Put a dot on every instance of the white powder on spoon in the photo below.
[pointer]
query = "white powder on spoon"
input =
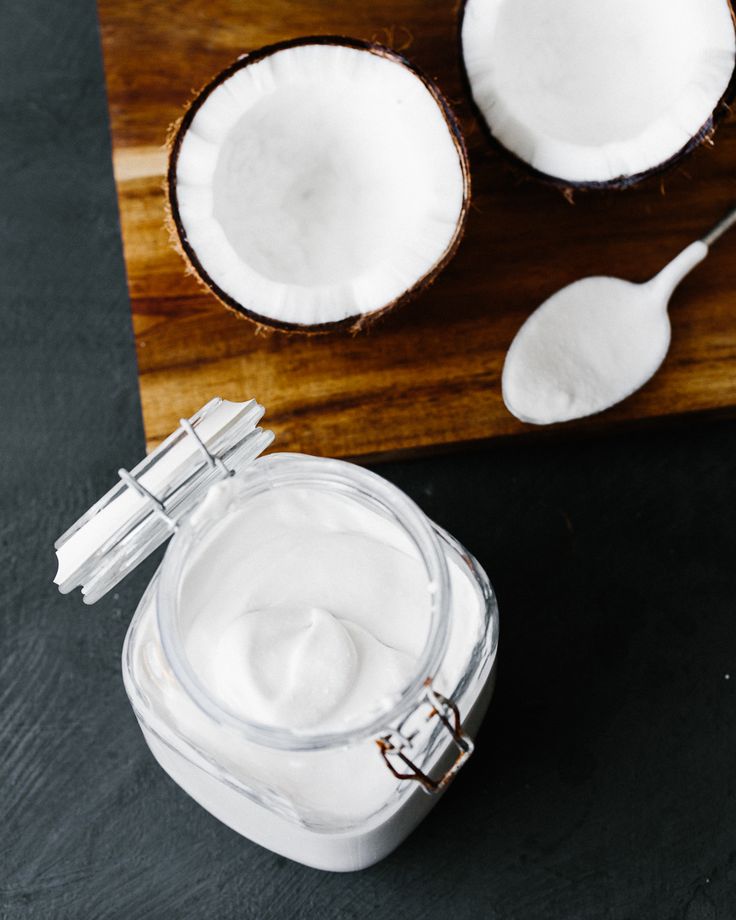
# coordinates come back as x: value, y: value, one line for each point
x: 592, y: 344
x: 585, y: 349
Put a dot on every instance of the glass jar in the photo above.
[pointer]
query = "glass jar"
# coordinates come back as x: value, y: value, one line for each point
x: 339, y: 798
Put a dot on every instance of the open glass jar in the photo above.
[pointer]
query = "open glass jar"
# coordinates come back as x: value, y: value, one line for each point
x: 313, y: 655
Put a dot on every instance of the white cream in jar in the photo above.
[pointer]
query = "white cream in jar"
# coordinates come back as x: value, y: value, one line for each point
x: 312, y: 653
x: 307, y: 609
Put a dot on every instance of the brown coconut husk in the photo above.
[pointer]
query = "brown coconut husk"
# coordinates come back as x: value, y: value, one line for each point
x: 177, y: 233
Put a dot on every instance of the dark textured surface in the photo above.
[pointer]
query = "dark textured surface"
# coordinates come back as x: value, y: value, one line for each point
x: 603, y: 786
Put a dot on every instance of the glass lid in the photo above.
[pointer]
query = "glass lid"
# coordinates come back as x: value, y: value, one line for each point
x: 144, y: 508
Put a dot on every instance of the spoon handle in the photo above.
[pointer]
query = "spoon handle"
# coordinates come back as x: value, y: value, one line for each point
x: 720, y: 228
x: 673, y: 273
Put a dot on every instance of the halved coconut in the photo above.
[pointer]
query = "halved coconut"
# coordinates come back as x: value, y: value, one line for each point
x: 318, y: 182
x: 598, y: 92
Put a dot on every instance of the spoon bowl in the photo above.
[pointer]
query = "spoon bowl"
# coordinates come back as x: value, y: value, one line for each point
x: 570, y: 359
x: 595, y: 342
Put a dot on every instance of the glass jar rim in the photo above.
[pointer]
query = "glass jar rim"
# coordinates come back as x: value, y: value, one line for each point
x: 359, y: 484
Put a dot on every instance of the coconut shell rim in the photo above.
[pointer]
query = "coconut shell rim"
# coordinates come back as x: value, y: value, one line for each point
x: 617, y: 183
x: 356, y: 321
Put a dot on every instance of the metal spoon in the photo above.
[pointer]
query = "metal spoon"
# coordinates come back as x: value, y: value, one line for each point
x: 595, y: 342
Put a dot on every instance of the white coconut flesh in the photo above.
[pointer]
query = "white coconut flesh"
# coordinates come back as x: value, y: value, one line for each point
x: 318, y: 183
x: 591, y: 91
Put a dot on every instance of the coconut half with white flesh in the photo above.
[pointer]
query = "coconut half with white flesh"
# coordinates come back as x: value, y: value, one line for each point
x: 598, y: 92
x: 318, y: 182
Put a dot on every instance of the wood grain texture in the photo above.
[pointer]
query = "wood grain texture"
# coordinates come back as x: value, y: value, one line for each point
x: 427, y: 375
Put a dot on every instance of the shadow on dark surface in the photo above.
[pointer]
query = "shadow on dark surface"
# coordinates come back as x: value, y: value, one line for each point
x: 603, y: 784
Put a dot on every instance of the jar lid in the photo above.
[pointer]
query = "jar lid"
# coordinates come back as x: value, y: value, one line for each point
x: 143, y: 510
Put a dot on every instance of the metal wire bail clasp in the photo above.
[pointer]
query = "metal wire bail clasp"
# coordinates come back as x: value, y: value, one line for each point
x: 157, y: 504
x: 210, y: 459
x: 397, y: 746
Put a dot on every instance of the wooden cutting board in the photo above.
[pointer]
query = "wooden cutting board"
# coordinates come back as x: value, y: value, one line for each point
x: 428, y: 374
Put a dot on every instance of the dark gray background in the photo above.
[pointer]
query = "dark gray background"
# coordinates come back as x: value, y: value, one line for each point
x: 604, y: 783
